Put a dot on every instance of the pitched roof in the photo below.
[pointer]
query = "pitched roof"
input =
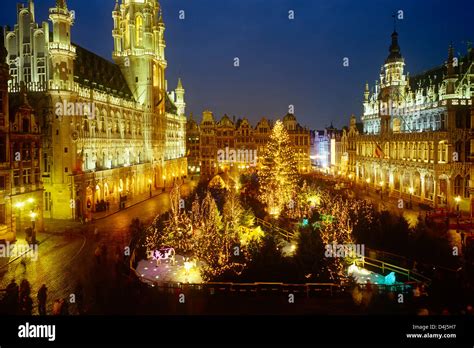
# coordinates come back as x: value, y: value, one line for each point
x: 422, y: 80
x: 90, y: 68
x: 225, y: 121
x: 169, y: 105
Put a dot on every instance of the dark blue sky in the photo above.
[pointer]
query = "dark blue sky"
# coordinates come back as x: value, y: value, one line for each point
x: 282, y: 61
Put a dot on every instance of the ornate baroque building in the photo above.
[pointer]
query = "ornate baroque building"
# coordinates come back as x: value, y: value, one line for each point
x: 21, y: 188
x: 239, y: 144
x: 110, y: 131
x: 417, y: 138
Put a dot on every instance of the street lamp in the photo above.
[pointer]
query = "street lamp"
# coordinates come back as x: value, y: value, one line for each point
x: 458, y: 200
x: 164, y: 183
x: 149, y: 184
x: 381, y: 189
x: 411, y: 190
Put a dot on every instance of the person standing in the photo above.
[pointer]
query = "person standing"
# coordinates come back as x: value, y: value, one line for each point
x: 42, y: 296
x: 12, y: 297
x: 26, y: 305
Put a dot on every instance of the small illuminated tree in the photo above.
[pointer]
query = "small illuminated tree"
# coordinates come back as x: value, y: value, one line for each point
x: 335, y: 227
x: 206, y: 234
x: 278, y: 175
x: 209, y: 245
x: 232, y: 212
x: 177, y: 232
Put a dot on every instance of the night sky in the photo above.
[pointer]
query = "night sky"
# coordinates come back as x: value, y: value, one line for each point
x: 282, y: 61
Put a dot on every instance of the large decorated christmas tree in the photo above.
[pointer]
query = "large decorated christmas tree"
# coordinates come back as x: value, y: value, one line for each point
x: 278, y: 175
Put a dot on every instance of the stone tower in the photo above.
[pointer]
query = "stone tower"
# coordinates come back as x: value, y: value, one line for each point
x: 392, y: 84
x: 61, y: 51
x: 180, y: 104
x: 139, y: 50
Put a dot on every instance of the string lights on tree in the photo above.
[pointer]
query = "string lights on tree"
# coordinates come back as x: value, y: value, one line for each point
x: 278, y: 175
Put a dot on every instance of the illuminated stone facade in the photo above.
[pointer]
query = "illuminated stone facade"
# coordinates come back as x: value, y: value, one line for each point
x: 327, y: 149
x: 417, y: 132
x: 111, y: 131
x: 220, y: 146
x: 21, y: 189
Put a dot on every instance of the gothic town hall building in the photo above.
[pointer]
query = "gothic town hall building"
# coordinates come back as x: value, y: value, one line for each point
x: 111, y: 131
x: 417, y: 132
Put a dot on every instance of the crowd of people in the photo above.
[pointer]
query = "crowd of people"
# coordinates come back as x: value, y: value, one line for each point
x: 18, y: 300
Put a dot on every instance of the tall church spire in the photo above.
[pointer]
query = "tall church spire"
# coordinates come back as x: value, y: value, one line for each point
x: 394, y: 50
x: 61, y: 4
x: 366, y: 92
x: 180, y: 103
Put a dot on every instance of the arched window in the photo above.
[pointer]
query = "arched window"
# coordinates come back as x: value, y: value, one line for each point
x: 139, y: 30
x: 442, y: 151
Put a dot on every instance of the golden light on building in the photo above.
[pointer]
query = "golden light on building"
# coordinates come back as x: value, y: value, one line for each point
x: 120, y: 141
x: 415, y: 131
